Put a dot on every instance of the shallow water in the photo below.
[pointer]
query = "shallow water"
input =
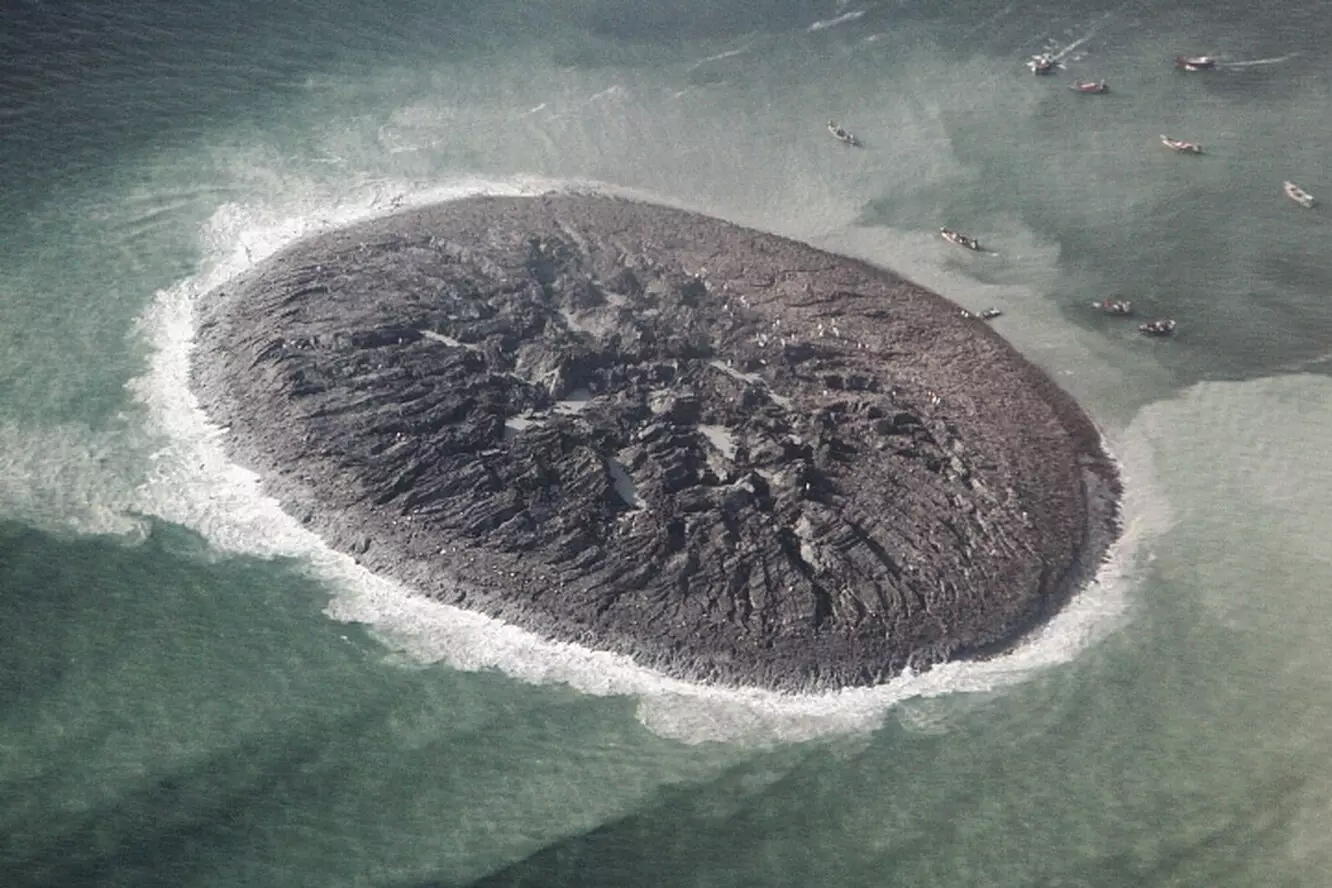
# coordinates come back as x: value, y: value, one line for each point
x: 196, y: 692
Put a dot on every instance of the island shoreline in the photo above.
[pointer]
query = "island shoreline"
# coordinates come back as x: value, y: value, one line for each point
x: 1098, y: 482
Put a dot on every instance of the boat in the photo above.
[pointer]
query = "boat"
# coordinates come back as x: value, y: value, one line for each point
x: 990, y: 314
x: 1042, y: 64
x: 1180, y: 145
x: 960, y: 239
x: 841, y: 134
x: 1159, y: 327
x: 1114, y: 306
x: 1090, y: 86
x: 1195, y: 63
x: 1298, y: 194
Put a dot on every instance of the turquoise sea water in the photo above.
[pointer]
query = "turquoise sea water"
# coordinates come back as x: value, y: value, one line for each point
x: 193, y: 692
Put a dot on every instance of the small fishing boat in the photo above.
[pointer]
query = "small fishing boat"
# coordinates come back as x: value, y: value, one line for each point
x: 1114, y: 306
x: 1090, y: 86
x: 1160, y: 327
x: 960, y: 239
x: 1042, y: 64
x: 1180, y: 145
x: 1195, y: 63
x: 843, y: 135
x: 1298, y: 194
x: 988, y: 314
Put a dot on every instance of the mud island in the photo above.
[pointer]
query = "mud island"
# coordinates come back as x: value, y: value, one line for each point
x: 731, y: 456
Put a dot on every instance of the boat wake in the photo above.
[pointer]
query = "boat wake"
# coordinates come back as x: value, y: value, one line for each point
x: 728, y: 54
x: 842, y: 19
x: 614, y: 91
x: 1058, y: 53
x: 1253, y: 63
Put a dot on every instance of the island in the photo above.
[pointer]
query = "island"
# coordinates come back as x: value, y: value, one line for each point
x: 730, y: 456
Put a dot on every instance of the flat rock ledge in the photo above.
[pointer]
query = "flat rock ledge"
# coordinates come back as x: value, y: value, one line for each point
x: 728, y: 455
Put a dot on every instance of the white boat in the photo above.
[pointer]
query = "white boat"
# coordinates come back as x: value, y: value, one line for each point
x: 1090, y: 86
x: 1114, y: 306
x: 960, y: 239
x: 1195, y: 63
x: 841, y: 134
x: 1180, y: 145
x: 1298, y: 194
x: 1043, y: 63
x: 1162, y: 327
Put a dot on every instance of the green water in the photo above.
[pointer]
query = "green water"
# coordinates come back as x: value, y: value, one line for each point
x: 193, y: 692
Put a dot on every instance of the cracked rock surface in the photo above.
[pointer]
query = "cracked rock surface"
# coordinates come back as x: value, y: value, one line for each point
x: 729, y: 455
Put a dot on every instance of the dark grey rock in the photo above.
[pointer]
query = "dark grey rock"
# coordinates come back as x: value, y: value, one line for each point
x: 729, y: 455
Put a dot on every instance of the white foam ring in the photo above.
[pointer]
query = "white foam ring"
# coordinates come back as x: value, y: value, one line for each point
x: 67, y: 478
x: 193, y: 483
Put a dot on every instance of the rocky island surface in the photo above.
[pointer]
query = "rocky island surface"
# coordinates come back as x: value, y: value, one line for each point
x: 731, y: 456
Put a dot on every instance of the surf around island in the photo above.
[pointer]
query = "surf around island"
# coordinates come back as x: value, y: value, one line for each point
x: 731, y: 456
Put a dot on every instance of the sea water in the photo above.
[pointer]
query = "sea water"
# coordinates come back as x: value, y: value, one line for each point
x: 197, y: 692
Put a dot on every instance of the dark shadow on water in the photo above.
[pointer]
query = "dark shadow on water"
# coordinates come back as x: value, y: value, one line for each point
x: 70, y: 604
x: 50, y: 586
x: 173, y: 825
x: 788, y: 816
x: 786, y: 834
x: 184, y: 823
x: 715, y: 833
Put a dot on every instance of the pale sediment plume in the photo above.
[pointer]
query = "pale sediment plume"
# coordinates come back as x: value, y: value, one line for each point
x: 514, y: 405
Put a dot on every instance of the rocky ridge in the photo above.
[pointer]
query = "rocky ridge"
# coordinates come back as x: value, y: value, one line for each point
x: 726, y: 454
